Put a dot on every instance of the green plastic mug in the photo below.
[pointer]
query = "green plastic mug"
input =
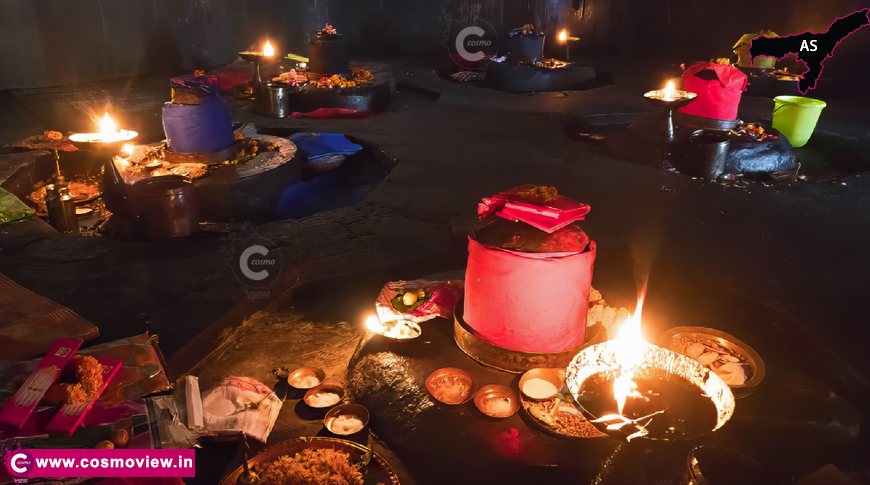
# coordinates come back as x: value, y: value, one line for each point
x: 795, y: 117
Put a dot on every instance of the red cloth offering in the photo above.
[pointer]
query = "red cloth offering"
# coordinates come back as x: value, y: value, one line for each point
x: 531, y: 302
x: 441, y: 300
x: 528, y: 281
x: 719, y: 88
x: 546, y: 215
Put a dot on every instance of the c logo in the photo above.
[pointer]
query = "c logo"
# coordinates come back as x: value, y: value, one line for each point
x: 471, y: 42
x: 21, y: 463
x: 255, y: 261
x: 246, y: 269
x: 460, y: 43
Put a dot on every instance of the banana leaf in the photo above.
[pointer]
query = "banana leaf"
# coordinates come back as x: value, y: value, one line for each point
x: 12, y: 209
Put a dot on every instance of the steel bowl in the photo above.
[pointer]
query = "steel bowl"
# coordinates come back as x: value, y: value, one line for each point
x: 496, y: 391
x: 329, y: 388
x: 303, y: 372
x: 445, y: 372
x: 553, y: 376
x: 756, y: 369
x: 351, y: 409
x: 657, y: 364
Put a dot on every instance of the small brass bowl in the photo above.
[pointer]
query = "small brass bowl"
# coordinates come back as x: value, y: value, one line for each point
x: 487, y: 397
x: 454, y: 374
x: 556, y: 377
x: 301, y: 377
x: 351, y: 409
x: 326, y: 389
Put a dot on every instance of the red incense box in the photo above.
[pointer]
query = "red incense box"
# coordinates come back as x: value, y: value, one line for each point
x: 27, y: 398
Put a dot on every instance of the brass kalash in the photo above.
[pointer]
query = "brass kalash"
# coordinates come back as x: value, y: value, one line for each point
x: 631, y: 389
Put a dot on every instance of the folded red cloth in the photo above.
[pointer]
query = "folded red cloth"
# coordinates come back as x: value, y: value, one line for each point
x: 546, y: 215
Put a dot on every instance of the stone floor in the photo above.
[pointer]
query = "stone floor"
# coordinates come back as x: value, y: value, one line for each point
x: 796, y: 250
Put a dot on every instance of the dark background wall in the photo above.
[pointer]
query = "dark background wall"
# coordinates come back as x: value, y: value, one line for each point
x: 52, y: 42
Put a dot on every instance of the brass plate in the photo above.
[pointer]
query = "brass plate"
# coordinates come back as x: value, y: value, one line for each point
x: 378, y: 471
x: 515, y: 361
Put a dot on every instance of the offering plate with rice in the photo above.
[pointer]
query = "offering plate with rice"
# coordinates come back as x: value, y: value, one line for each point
x: 377, y: 472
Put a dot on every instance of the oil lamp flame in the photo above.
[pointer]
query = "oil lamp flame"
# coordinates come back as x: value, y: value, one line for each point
x: 563, y: 36
x: 107, y: 127
x: 669, y: 91
x: 389, y: 325
x: 373, y: 324
x: 629, y: 354
x: 108, y: 133
x: 268, y: 50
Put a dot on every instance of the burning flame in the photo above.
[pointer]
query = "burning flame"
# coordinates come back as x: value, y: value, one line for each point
x: 629, y: 352
x: 389, y: 325
x: 268, y: 50
x: 669, y: 91
x: 108, y: 133
x: 373, y: 324
x: 107, y: 127
x: 563, y: 36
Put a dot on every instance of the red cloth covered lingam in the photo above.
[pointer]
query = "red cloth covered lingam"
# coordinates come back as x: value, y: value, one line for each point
x: 529, y: 271
x: 719, y: 88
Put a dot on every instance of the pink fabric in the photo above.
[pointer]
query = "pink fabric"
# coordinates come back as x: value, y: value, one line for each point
x: 531, y: 302
x: 547, y: 216
x: 718, y: 98
x: 333, y: 114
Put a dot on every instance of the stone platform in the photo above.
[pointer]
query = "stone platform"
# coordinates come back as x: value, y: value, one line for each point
x: 522, y: 78
x: 459, y: 445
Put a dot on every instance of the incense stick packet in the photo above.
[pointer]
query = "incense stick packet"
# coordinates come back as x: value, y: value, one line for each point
x: 34, y: 388
x: 71, y: 416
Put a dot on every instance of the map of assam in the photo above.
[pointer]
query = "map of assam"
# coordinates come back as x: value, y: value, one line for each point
x: 813, y: 48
